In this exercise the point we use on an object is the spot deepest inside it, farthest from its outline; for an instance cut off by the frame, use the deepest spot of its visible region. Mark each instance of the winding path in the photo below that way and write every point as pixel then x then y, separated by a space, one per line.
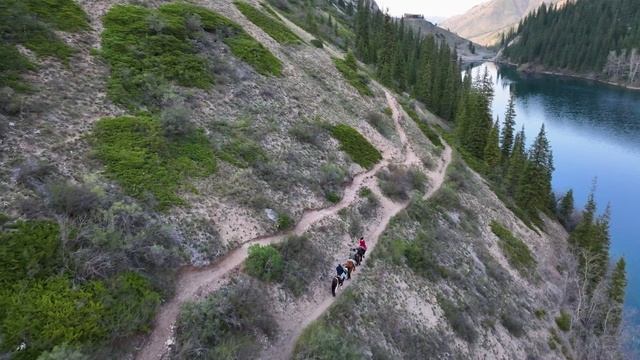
pixel 193 282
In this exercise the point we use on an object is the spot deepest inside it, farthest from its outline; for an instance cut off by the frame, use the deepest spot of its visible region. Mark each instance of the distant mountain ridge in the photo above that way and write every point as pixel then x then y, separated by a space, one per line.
pixel 485 22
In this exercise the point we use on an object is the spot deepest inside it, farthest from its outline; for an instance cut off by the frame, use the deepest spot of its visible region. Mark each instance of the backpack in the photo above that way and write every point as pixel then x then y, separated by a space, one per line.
pixel 339 269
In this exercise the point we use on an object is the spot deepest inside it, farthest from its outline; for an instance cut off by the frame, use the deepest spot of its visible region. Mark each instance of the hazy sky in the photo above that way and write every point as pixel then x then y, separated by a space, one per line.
pixel 430 8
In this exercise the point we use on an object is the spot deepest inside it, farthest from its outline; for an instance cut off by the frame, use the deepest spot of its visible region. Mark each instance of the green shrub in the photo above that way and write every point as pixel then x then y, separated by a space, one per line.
pixel 265 263
pixel 333 197
pixel 242 152
pixel 63 352
pixel 516 251
pixel 322 341
pixel 422 125
pixel 64 15
pixel 226 324
pixel 387 111
pixel 255 54
pixel 356 146
pixel 12 65
pixel 540 313
pixel 317 43
pixel 564 321
pixel 29 250
pixel 148 48
pixel 143 161
pixel 357 80
pixel 274 28
pixel 130 305
pixel 45 313
pixel 71 200
pixel 285 222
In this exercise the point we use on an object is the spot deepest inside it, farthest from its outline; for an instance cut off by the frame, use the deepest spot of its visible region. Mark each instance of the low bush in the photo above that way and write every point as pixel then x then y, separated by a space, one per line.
pixel 310 132
pixel 265 263
pixel 380 123
pixel 540 313
pixel 274 28
pixel 513 324
pixel 29 250
pixel 143 161
pixel 422 125
pixel 564 321
pixel 49 312
pixel 176 121
pixel 285 222
pixel 516 251
pixel 458 320
pixel 63 352
pixel 356 146
pixel 317 43
pixel 353 77
pixel 226 324
pixel 398 182
pixel 302 261
pixel 323 341
pixel 332 177
pixel 71 200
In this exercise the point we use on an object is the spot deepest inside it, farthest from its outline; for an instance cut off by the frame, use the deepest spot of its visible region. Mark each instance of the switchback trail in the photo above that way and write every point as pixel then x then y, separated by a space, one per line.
pixel 293 325
pixel 195 282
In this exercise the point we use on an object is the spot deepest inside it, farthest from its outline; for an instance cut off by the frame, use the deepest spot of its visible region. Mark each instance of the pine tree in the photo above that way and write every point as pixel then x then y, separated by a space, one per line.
pixel 535 188
pixel 616 294
pixel 566 210
pixel 492 149
pixel 517 164
pixel 508 130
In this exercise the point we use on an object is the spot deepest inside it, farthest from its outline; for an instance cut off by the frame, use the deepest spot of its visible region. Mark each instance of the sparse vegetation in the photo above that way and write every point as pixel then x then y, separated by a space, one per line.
pixel 381 124
pixel 144 162
pixel 149 49
pixel 398 182
pixel 516 251
pixel 276 29
pixel 356 145
pixel 226 324
pixel 356 79
pixel 459 320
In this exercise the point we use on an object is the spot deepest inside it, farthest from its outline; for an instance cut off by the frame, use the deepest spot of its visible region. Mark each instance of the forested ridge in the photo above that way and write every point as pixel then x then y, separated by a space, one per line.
pixel 600 37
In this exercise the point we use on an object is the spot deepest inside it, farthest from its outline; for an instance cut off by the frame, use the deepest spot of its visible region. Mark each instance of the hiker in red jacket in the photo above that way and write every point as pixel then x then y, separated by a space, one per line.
pixel 362 247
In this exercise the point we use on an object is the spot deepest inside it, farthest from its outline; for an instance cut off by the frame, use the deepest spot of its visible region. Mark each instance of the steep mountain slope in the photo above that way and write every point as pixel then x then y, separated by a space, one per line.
pixel 455 41
pixel 179 180
pixel 485 23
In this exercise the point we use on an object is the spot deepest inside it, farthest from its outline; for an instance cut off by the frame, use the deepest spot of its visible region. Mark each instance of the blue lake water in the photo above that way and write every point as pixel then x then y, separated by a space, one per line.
pixel 594 130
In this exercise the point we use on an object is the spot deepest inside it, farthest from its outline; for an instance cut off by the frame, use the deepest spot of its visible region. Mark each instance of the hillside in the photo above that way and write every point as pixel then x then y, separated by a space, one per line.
pixel 461 45
pixel 180 180
pixel 597 39
pixel 486 22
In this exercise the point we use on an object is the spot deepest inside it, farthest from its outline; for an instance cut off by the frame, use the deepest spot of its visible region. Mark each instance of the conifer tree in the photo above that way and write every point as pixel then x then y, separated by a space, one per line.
pixel 616 293
pixel 566 209
pixel 508 130
pixel 517 164
pixel 492 149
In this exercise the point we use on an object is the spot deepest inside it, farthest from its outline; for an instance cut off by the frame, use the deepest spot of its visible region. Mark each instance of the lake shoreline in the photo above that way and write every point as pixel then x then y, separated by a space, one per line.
pixel 532 69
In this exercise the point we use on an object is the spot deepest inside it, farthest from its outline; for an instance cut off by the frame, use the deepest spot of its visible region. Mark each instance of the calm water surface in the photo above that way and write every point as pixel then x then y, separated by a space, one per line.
pixel 594 131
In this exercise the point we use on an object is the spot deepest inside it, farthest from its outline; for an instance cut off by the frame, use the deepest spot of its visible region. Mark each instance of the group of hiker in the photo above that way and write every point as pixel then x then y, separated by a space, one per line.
pixel 344 270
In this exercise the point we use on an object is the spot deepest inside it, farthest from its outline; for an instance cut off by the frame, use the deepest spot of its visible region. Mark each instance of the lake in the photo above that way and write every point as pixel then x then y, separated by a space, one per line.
pixel 594 130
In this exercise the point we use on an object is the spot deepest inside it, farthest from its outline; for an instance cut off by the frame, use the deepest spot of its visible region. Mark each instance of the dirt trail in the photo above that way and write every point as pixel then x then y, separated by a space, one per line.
pixel 296 321
pixel 196 282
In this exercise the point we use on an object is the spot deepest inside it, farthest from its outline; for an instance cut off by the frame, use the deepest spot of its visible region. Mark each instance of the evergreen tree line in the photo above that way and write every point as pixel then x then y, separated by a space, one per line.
pixel 406 60
pixel 578 36
pixel 501 153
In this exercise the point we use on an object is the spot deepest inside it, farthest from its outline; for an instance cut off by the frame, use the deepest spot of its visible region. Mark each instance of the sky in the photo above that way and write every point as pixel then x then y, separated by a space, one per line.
pixel 429 8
